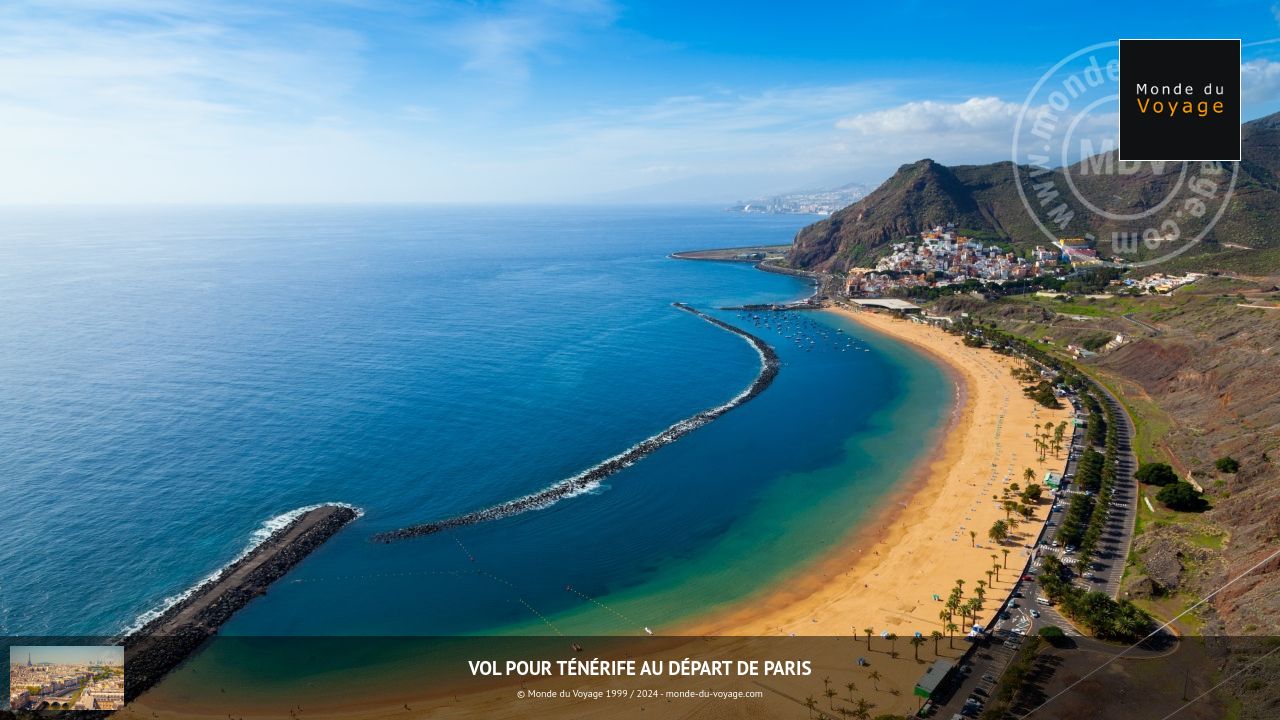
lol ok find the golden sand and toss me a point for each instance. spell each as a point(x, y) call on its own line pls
point(886, 576)
point(883, 577)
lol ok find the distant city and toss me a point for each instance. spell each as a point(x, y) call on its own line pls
point(815, 202)
point(942, 256)
point(96, 683)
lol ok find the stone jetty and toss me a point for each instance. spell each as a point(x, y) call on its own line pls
point(162, 644)
point(590, 478)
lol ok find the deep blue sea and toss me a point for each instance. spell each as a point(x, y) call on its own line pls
point(171, 379)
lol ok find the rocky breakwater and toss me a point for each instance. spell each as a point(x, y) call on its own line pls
point(163, 643)
point(591, 477)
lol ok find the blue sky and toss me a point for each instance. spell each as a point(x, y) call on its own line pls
point(66, 654)
point(137, 101)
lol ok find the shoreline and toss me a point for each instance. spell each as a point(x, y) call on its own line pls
point(881, 575)
point(807, 603)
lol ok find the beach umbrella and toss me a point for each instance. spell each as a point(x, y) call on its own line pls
point(918, 634)
point(884, 634)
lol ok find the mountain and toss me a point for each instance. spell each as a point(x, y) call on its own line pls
point(983, 200)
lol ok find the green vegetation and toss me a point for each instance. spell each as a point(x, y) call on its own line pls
point(999, 531)
point(1009, 688)
point(1076, 519)
point(1156, 473)
point(1089, 472)
point(1182, 496)
point(1054, 635)
point(1227, 464)
point(1042, 392)
point(1104, 617)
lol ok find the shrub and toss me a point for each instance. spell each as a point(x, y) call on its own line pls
point(1156, 474)
point(1227, 464)
point(1181, 496)
point(1053, 635)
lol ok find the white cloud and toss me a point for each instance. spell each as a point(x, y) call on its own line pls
point(505, 43)
point(977, 114)
point(1259, 81)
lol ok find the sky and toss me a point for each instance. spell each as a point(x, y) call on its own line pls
point(545, 101)
point(66, 654)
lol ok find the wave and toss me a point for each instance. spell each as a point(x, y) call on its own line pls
point(590, 479)
point(256, 538)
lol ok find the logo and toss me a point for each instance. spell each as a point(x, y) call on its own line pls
point(1097, 209)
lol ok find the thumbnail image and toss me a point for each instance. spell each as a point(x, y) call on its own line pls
point(66, 677)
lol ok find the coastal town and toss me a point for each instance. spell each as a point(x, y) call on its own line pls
point(96, 683)
point(943, 257)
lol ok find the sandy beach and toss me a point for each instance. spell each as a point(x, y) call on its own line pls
point(884, 576)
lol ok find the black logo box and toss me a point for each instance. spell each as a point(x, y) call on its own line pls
point(1180, 65)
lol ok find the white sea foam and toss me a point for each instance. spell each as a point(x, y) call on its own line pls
point(589, 480)
point(256, 538)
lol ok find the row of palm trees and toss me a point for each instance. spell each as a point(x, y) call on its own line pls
point(861, 707)
point(1050, 438)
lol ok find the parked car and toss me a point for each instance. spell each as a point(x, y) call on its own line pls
point(989, 677)
point(1035, 613)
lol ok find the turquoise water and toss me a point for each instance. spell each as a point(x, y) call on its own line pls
point(175, 378)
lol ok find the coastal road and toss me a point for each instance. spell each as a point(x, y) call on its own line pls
point(1108, 564)
point(1117, 536)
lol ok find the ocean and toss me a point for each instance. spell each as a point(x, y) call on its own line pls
point(177, 380)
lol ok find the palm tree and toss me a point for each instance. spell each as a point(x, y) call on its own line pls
point(868, 631)
point(996, 568)
point(973, 538)
point(863, 711)
point(851, 686)
point(810, 703)
point(1006, 556)
point(1029, 474)
point(893, 644)
point(831, 697)
point(875, 678)
point(916, 642)
point(999, 531)
point(936, 637)
point(951, 630)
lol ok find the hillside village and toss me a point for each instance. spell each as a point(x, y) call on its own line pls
point(942, 257)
